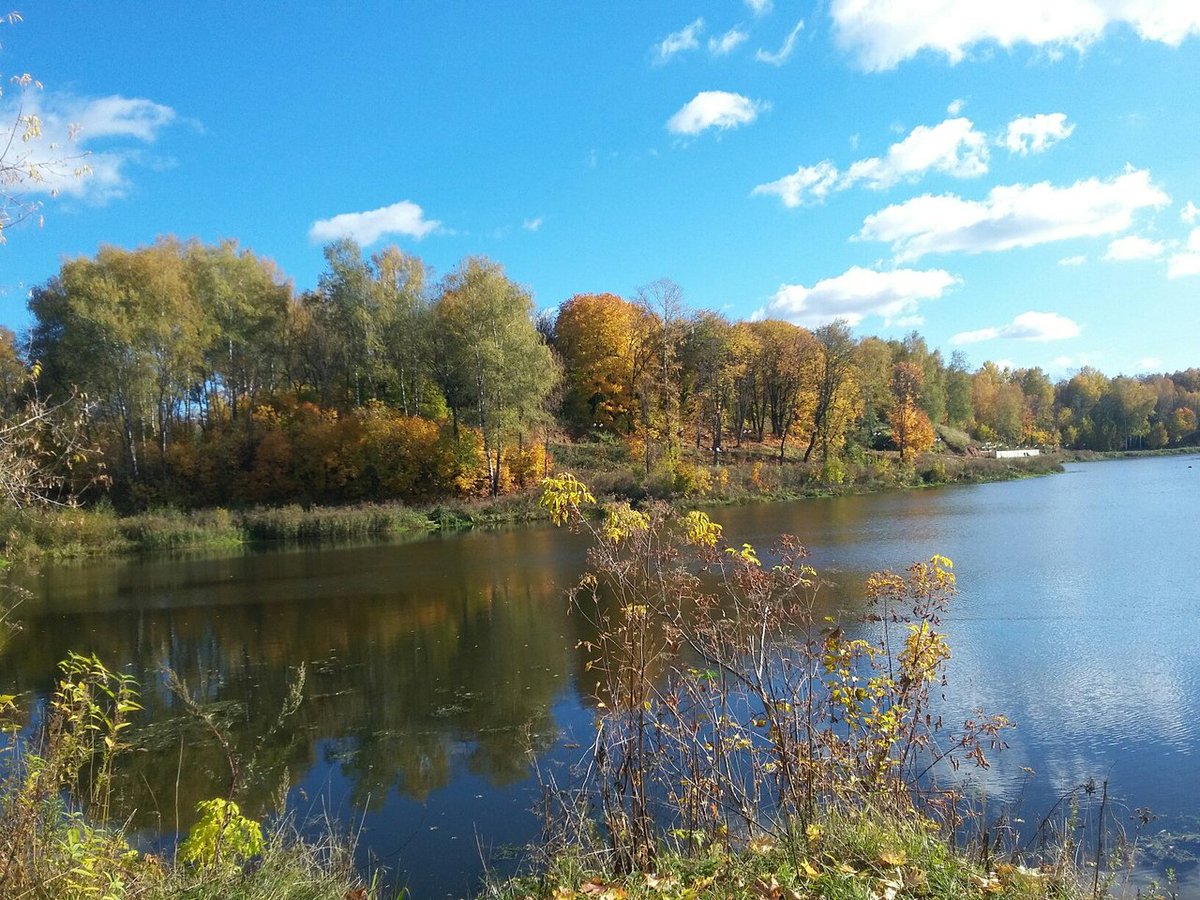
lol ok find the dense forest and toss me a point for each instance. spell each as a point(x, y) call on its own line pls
point(207, 380)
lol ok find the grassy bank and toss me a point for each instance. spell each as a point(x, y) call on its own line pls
point(861, 858)
point(744, 477)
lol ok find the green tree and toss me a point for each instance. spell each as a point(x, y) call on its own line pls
point(246, 299)
point(959, 412)
point(127, 329)
point(496, 369)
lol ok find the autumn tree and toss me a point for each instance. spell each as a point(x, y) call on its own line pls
point(837, 399)
point(495, 368)
point(874, 361)
point(911, 429)
point(933, 373)
point(713, 359)
point(657, 368)
point(595, 334)
point(789, 364)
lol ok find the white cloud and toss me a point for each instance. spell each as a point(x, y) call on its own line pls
point(1187, 260)
point(1028, 326)
point(686, 38)
point(1072, 261)
point(728, 42)
point(857, 293)
point(1034, 134)
point(883, 33)
point(806, 183)
point(956, 106)
point(784, 53)
point(532, 224)
point(714, 109)
point(1190, 213)
point(1013, 216)
point(403, 218)
point(953, 147)
point(759, 7)
point(84, 149)
point(1132, 247)
point(1149, 364)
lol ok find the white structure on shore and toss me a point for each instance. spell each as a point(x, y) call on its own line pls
point(1013, 454)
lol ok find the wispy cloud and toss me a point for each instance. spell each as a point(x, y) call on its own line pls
point(881, 34)
point(857, 293)
point(728, 42)
point(1072, 261)
point(714, 109)
point(87, 144)
point(686, 38)
point(1034, 134)
point(1028, 326)
point(404, 218)
point(953, 147)
point(532, 224)
point(1190, 213)
point(759, 7)
point(1013, 216)
point(806, 184)
point(1187, 260)
point(784, 53)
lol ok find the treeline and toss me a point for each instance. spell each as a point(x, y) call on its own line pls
point(209, 381)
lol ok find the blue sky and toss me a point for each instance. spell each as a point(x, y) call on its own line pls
point(1017, 181)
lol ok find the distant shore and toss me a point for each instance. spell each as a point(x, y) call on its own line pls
point(80, 532)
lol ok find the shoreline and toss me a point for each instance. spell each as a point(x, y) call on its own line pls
point(77, 533)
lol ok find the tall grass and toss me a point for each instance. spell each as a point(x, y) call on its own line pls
point(59, 837)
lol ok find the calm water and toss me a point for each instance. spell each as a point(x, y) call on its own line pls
point(437, 670)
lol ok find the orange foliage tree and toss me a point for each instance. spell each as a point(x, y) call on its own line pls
point(911, 429)
point(595, 334)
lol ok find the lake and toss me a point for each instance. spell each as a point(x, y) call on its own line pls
point(439, 670)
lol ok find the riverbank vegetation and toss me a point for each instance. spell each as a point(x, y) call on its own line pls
point(61, 835)
point(199, 379)
point(747, 747)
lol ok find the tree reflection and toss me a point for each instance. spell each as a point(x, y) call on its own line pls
point(408, 672)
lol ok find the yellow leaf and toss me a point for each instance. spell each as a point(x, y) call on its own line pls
point(893, 858)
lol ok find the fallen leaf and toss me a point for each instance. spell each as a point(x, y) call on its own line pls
point(762, 844)
point(893, 857)
point(664, 883)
